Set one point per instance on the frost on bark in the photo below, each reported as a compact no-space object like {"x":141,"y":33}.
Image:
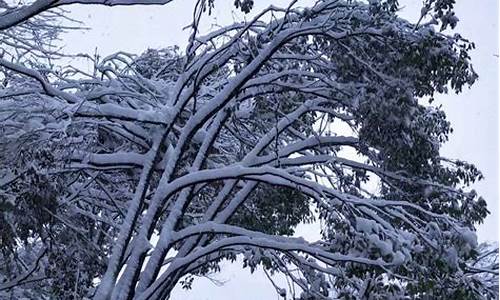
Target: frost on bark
{"x":124,"y":182}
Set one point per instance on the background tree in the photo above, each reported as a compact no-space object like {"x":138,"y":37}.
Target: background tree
{"x":159,"y":166}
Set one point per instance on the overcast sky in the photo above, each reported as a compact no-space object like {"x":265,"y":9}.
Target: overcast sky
{"x":473,"y":114}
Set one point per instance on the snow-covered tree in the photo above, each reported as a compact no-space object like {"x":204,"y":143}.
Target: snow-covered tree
{"x":123,"y":182}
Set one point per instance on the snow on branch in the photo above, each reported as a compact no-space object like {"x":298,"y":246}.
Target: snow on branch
{"x":167,"y":163}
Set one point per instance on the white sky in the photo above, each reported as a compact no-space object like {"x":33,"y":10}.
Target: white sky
{"x":473,"y":114}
